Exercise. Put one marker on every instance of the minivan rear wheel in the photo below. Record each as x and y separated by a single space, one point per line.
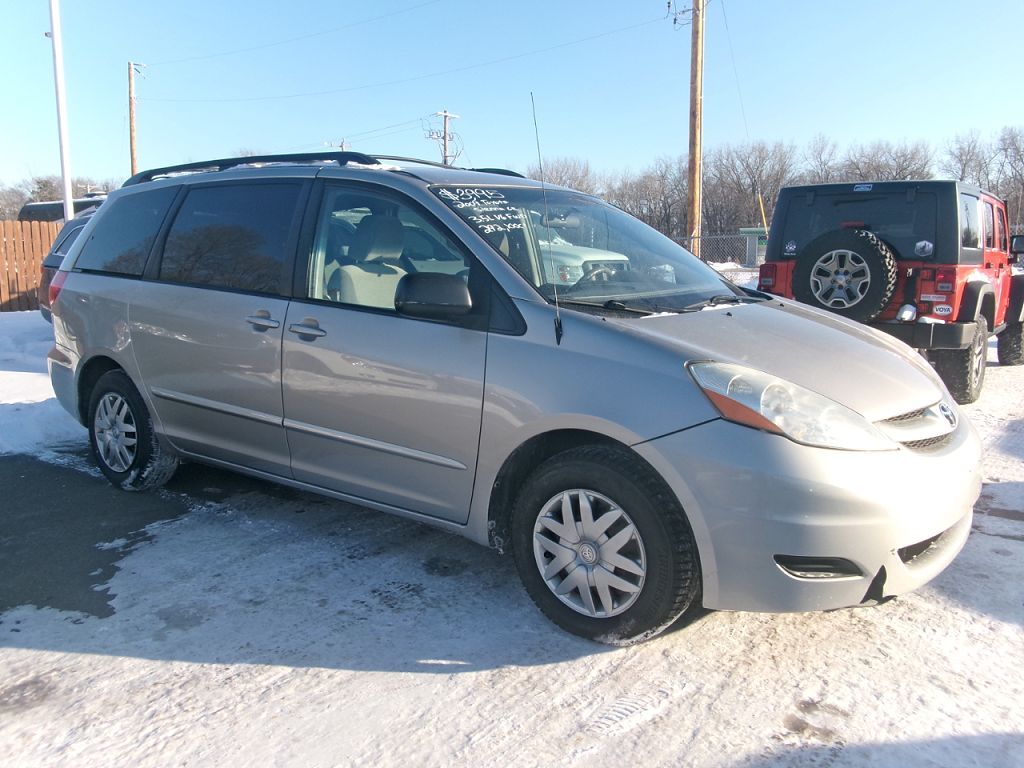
603 547
121 436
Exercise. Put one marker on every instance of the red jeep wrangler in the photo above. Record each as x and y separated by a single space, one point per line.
929 262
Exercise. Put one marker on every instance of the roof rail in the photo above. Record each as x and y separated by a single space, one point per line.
341 158
413 160
499 171
502 171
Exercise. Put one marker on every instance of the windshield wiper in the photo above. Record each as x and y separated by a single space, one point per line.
721 298
612 304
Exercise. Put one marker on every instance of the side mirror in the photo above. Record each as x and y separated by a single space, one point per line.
433 296
1017 245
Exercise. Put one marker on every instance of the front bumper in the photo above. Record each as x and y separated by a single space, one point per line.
899 517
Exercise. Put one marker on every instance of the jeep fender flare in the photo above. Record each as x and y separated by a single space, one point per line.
1015 310
978 299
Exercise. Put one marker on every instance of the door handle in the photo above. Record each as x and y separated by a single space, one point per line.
262 321
308 328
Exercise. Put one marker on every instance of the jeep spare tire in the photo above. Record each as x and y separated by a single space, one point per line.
848 271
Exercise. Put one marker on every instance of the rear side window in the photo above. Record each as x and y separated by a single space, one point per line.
122 239
234 237
990 225
970 236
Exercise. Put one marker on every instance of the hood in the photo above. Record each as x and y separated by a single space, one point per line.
875 375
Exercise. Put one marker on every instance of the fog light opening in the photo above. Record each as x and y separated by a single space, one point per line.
817 568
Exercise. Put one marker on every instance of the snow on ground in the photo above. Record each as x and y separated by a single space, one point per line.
277 628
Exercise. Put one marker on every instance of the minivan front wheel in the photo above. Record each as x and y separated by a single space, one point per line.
121 436
602 546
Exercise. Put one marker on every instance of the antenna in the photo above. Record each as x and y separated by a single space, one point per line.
544 193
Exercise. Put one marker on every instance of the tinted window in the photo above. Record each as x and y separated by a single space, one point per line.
990 226
63 244
969 234
899 219
1001 230
232 237
121 240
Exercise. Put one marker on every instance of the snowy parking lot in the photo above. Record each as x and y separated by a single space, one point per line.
224 621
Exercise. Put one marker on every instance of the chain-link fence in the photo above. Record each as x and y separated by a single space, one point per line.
737 257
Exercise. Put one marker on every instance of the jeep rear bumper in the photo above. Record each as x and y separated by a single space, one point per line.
930 335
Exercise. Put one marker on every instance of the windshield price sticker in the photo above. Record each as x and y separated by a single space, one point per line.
465 197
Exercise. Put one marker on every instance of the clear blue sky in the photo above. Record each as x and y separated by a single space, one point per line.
610 78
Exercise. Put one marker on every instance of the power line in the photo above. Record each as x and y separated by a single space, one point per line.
468 67
321 33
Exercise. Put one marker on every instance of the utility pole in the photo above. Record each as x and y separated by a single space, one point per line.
444 135
62 125
131 115
694 177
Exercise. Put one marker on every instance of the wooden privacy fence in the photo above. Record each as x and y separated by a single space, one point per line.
23 244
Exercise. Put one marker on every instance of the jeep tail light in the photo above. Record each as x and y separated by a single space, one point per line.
853 225
767 276
55 285
945 279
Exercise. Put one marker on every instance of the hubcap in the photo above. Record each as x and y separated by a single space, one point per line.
840 279
589 553
116 436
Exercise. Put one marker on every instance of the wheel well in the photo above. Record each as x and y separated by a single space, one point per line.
518 466
87 379
988 309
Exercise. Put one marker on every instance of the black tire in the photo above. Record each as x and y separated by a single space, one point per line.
660 540
963 370
848 271
1008 344
116 411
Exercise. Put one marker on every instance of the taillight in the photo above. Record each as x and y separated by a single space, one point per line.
767 276
55 285
945 279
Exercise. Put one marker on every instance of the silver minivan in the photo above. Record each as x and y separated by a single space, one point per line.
519 363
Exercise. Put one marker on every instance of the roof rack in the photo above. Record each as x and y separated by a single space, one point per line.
341 158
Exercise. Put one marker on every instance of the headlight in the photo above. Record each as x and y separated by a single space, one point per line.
762 401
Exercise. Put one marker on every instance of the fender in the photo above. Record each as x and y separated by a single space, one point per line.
1015 311
972 301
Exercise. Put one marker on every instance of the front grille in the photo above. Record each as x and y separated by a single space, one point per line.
931 442
920 412
922 429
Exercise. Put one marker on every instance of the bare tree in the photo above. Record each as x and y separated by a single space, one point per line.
968 158
11 201
885 161
656 196
739 179
821 160
568 172
1010 147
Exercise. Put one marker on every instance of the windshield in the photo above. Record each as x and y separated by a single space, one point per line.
587 251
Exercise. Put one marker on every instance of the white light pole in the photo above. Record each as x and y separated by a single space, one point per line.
62 127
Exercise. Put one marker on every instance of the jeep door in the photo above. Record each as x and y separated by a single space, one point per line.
997 253
207 327
379 406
